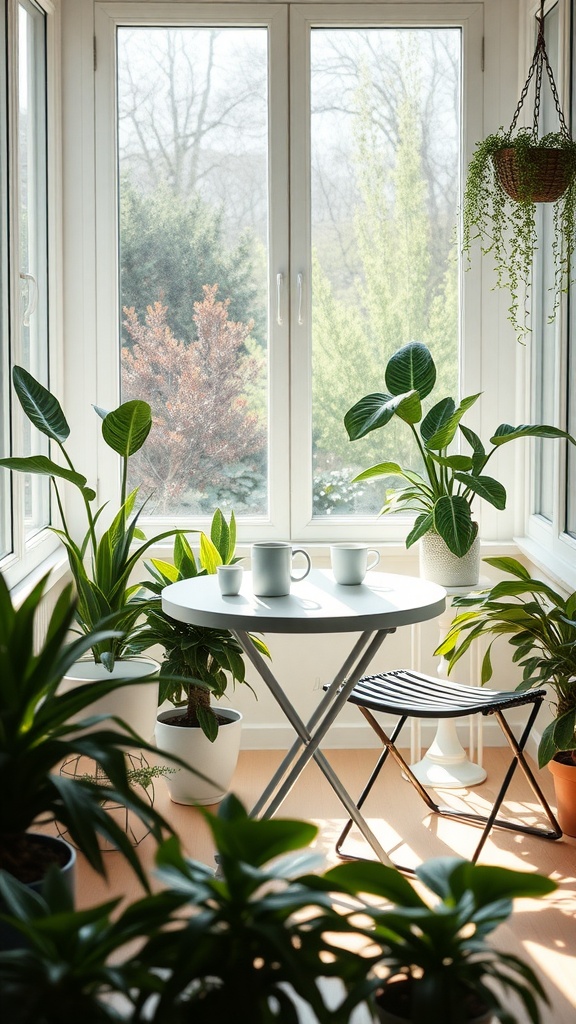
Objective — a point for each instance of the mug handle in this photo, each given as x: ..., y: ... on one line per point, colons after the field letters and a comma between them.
x: 301, y: 551
x: 373, y: 551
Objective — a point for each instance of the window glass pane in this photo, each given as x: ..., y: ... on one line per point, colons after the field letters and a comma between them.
x: 544, y: 332
x: 385, y: 151
x: 32, y: 182
x: 5, y: 532
x: 193, y: 172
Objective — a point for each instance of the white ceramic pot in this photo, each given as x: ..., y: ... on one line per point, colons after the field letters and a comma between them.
x: 137, y: 705
x: 217, y: 761
x: 440, y: 565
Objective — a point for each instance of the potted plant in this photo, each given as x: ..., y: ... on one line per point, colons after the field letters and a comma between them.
x: 264, y: 932
x: 441, y: 490
x: 198, y: 665
x: 510, y: 173
x: 440, y: 964
x: 67, y: 965
x: 101, y: 561
x: 38, y: 733
x: 540, y: 623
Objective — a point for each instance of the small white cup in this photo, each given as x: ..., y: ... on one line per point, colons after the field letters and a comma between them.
x: 229, y: 579
x: 272, y: 568
x: 350, y: 562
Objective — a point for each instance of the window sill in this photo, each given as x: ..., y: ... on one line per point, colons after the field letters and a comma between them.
x: 558, y: 570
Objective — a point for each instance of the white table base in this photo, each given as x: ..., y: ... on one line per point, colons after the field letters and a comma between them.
x: 446, y: 763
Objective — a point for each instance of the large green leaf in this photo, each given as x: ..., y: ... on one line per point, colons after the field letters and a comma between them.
x: 435, y: 419
x: 445, y: 434
x: 423, y: 524
x: 42, y: 466
x: 126, y: 428
x: 453, y: 521
x: 485, y: 487
x: 374, y: 411
x: 411, y: 369
x: 40, y: 406
x: 505, y: 433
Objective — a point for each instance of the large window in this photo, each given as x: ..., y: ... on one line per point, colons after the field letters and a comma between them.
x: 288, y: 185
x: 24, y: 323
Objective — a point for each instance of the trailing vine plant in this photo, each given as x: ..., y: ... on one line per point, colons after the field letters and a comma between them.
x: 507, y: 228
x: 509, y: 174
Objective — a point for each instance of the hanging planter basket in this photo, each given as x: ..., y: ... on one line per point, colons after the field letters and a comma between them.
x: 542, y: 175
x: 510, y: 172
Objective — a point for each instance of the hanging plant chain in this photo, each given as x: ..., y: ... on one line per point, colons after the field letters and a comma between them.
x: 539, y: 61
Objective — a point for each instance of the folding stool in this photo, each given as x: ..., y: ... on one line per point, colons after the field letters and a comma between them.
x: 408, y: 694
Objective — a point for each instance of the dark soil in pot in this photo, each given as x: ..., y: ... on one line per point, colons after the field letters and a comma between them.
x: 396, y: 998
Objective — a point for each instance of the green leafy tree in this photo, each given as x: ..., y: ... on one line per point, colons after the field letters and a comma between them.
x: 171, y: 246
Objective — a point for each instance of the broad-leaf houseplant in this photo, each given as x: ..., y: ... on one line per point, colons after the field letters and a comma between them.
x: 540, y: 624
x: 445, y: 482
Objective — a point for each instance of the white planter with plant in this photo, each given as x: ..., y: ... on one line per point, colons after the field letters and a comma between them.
x: 442, y: 483
x: 199, y: 663
x: 101, y: 561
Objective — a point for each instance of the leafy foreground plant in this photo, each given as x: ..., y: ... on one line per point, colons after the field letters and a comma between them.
x: 540, y: 624
x: 243, y: 946
x: 101, y: 565
x: 37, y: 734
x: 248, y: 944
x: 197, y: 660
x: 440, y: 963
x: 442, y: 493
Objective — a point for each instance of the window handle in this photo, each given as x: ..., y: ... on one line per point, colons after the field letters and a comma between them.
x: 300, y: 282
x: 279, y: 284
x: 32, y: 286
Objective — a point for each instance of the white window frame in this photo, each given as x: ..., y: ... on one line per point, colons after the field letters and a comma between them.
x: 92, y: 366
x: 545, y: 542
x: 41, y: 549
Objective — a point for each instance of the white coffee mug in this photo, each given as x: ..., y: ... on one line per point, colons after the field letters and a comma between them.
x: 272, y: 568
x: 229, y: 579
x: 350, y: 562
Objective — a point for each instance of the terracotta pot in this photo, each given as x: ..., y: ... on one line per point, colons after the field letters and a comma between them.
x: 217, y: 761
x: 439, y: 565
x: 564, y: 773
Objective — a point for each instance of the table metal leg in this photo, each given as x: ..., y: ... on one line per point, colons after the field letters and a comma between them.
x: 310, y: 734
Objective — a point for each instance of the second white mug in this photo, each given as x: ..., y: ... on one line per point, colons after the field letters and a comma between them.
x: 272, y: 568
x: 350, y: 562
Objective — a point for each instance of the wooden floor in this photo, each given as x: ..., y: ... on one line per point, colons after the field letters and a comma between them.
x: 541, y: 931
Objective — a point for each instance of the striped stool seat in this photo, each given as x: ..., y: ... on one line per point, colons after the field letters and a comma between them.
x: 406, y: 695
x: 403, y: 692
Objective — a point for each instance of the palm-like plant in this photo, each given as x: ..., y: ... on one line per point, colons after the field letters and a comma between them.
x: 437, y: 952
x: 37, y: 734
x: 442, y: 492
x: 101, y: 562
x: 198, y: 661
x: 540, y: 623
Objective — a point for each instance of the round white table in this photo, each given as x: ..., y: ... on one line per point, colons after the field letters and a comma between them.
x: 316, y: 604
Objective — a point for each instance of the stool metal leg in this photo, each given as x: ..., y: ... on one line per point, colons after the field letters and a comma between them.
x: 489, y: 821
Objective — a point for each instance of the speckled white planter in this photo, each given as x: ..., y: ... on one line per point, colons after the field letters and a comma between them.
x: 439, y: 565
x: 217, y: 761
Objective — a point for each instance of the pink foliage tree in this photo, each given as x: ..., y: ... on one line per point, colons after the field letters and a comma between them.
x: 202, y: 420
